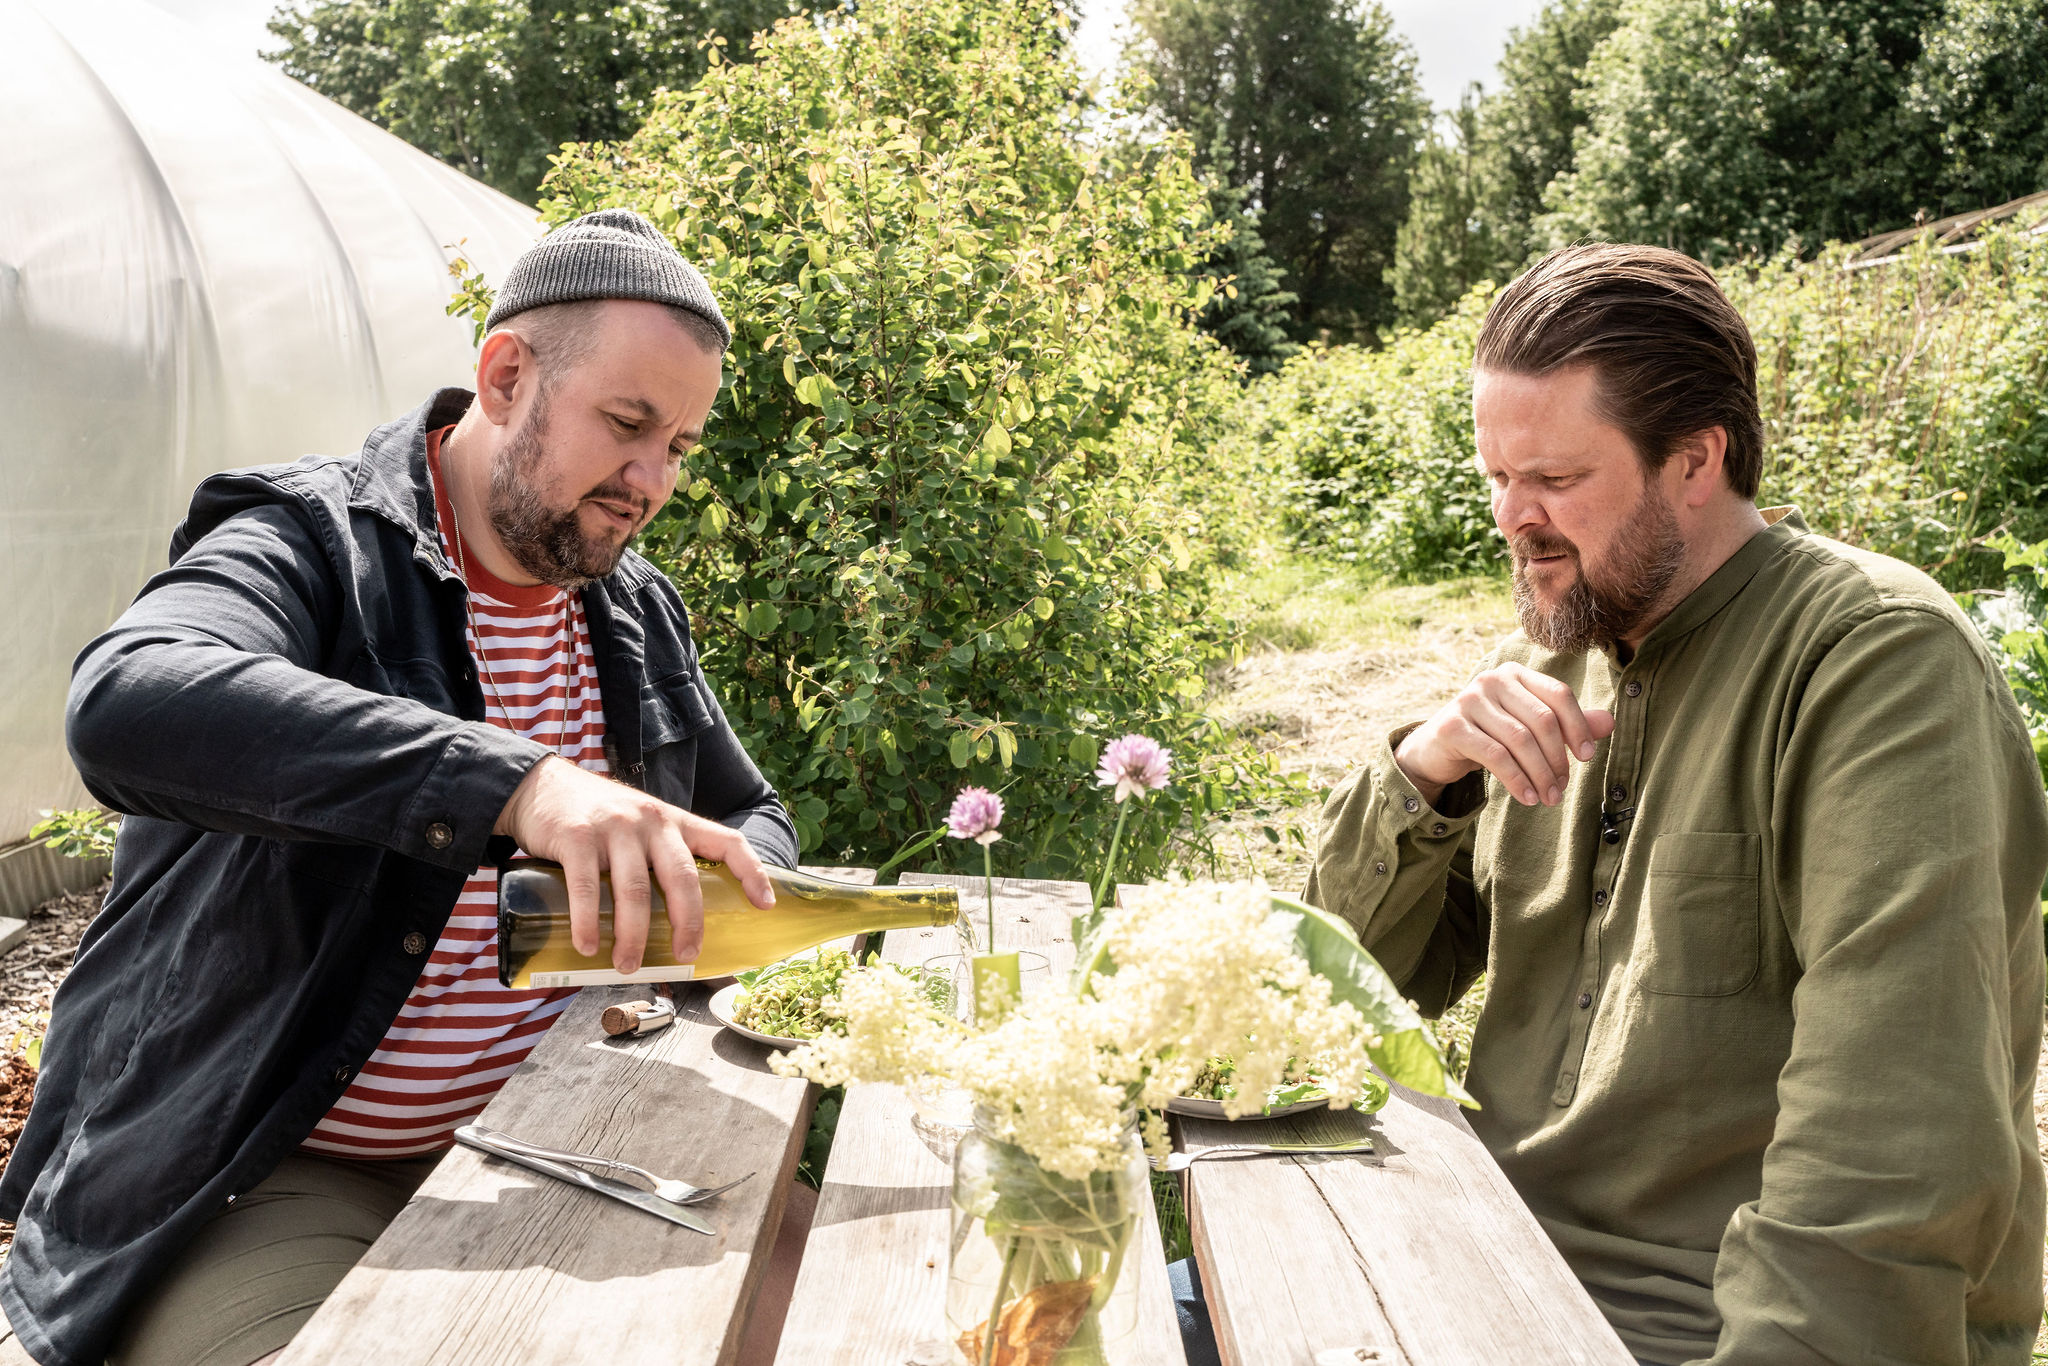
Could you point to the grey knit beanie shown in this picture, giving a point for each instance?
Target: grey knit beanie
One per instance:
(610, 254)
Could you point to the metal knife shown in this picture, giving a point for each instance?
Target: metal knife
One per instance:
(576, 1176)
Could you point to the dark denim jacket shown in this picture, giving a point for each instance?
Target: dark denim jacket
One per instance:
(291, 718)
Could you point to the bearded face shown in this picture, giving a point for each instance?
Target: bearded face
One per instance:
(1604, 600)
(547, 540)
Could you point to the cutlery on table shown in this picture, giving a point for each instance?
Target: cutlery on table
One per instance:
(485, 1141)
(677, 1192)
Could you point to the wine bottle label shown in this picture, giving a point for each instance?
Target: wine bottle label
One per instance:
(591, 977)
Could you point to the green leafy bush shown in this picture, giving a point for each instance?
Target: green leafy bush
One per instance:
(2015, 624)
(1905, 409)
(85, 833)
(957, 513)
(1374, 451)
(1906, 406)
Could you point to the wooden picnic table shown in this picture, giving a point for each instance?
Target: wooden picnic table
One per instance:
(1419, 1255)
(492, 1263)
(872, 1287)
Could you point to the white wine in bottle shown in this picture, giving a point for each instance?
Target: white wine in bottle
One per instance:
(535, 950)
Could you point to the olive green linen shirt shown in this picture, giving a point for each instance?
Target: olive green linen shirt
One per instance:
(1765, 987)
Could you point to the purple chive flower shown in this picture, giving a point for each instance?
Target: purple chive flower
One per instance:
(975, 815)
(1134, 766)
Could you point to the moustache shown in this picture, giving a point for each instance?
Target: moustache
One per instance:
(1538, 545)
(624, 497)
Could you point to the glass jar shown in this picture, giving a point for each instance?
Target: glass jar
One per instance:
(1046, 1257)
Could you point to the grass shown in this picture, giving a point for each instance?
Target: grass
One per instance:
(1292, 603)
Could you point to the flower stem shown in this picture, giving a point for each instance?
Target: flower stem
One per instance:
(995, 1314)
(988, 878)
(1115, 843)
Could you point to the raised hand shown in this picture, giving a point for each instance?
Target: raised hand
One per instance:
(591, 825)
(1521, 726)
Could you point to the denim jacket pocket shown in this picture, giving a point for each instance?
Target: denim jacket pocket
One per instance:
(1701, 925)
(672, 708)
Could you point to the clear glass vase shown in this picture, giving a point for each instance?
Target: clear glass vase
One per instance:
(1045, 1258)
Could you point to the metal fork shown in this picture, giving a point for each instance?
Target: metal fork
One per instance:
(676, 1192)
(1180, 1162)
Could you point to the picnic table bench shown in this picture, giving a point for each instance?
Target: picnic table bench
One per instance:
(1418, 1255)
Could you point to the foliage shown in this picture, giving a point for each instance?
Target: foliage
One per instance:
(2015, 624)
(86, 833)
(1375, 454)
(1477, 195)
(1722, 127)
(950, 520)
(1906, 407)
(1314, 106)
(1250, 309)
(1446, 245)
(493, 89)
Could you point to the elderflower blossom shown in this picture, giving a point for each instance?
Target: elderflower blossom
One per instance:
(1201, 969)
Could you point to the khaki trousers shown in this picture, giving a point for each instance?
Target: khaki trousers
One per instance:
(258, 1269)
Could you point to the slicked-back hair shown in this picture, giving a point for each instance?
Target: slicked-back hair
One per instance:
(1671, 354)
(562, 336)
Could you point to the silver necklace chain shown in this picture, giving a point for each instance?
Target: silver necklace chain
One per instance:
(476, 635)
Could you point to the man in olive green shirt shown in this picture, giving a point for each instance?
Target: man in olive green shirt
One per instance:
(1744, 827)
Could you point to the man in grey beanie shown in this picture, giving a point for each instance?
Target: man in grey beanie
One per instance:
(362, 683)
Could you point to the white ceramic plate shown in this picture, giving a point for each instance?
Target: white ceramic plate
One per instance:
(724, 1002)
(1198, 1108)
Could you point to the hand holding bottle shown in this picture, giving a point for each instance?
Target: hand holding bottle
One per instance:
(592, 825)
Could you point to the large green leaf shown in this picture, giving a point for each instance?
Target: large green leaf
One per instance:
(1407, 1051)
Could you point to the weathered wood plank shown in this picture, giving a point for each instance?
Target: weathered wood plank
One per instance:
(872, 1288)
(493, 1263)
(1422, 1254)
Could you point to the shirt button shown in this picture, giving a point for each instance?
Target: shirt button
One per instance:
(1634, 687)
(415, 943)
(439, 835)
(1585, 1000)
(342, 1074)
(1412, 805)
(1600, 898)
(1438, 828)
(1618, 793)
(1379, 870)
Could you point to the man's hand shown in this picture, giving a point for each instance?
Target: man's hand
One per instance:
(590, 824)
(1515, 723)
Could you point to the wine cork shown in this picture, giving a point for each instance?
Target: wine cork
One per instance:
(637, 1017)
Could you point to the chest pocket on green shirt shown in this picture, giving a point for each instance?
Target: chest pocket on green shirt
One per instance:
(1700, 918)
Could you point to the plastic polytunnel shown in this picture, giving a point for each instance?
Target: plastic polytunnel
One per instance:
(203, 264)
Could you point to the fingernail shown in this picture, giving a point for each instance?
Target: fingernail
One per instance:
(1586, 750)
(1528, 796)
(1553, 796)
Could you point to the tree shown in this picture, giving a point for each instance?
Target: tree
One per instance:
(1527, 126)
(1981, 88)
(1476, 196)
(1251, 308)
(494, 89)
(959, 512)
(1446, 245)
(1722, 127)
(1314, 107)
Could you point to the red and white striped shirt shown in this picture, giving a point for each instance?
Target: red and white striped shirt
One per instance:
(459, 1034)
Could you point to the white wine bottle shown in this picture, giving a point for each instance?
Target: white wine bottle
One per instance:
(535, 949)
